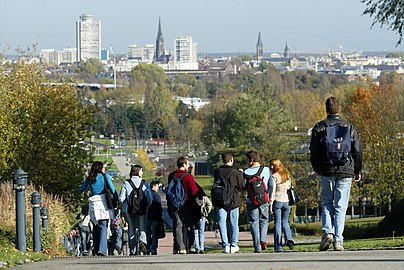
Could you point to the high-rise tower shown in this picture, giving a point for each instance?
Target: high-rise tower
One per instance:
(259, 48)
(160, 53)
(88, 38)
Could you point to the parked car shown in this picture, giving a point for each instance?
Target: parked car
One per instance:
(114, 173)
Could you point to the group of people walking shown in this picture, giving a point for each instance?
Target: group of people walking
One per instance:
(337, 160)
(141, 228)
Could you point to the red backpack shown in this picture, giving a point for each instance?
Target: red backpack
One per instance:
(256, 188)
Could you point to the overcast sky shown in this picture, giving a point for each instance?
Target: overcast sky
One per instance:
(216, 25)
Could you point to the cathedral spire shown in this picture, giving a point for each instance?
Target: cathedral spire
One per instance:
(160, 53)
(286, 51)
(259, 48)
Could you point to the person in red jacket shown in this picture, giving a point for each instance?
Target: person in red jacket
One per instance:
(184, 218)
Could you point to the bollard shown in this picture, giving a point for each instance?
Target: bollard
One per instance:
(36, 204)
(19, 181)
(44, 215)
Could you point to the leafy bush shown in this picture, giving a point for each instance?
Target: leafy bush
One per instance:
(393, 221)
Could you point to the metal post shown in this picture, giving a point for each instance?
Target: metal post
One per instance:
(19, 181)
(36, 204)
(44, 215)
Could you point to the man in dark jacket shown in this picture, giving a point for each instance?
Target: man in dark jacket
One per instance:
(336, 179)
(231, 211)
(184, 218)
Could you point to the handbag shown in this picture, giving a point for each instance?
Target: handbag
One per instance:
(161, 230)
(111, 201)
(292, 195)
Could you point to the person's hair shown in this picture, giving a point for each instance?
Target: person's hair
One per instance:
(332, 105)
(96, 168)
(226, 157)
(181, 161)
(153, 183)
(252, 155)
(277, 167)
(135, 170)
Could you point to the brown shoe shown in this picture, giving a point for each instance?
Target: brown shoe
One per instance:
(263, 245)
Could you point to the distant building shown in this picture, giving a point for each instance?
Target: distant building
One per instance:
(185, 53)
(88, 38)
(286, 52)
(145, 54)
(259, 48)
(104, 55)
(55, 58)
(160, 55)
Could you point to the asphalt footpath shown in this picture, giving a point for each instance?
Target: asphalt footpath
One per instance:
(329, 260)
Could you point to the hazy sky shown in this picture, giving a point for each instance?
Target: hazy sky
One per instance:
(216, 25)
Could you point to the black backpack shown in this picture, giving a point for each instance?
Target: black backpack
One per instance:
(137, 204)
(336, 143)
(220, 193)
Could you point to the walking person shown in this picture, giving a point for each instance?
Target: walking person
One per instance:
(280, 205)
(336, 155)
(228, 212)
(184, 218)
(116, 233)
(85, 228)
(154, 218)
(100, 214)
(257, 204)
(206, 207)
(136, 197)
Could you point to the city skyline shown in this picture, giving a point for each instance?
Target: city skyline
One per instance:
(225, 26)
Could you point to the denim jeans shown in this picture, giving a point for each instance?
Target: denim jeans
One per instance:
(281, 214)
(136, 222)
(116, 239)
(335, 195)
(200, 234)
(100, 237)
(258, 218)
(152, 240)
(85, 238)
(231, 214)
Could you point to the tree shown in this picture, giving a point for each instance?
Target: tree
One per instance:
(40, 129)
(374, 111)
(92, 67)
(387, 12)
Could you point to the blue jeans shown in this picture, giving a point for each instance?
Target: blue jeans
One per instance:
(136, 222)
(100, 237)
(281, 214)
(152, 240)
(116, 239)
(232, 214)
(335, 195)
(258, 218)
(85, 238)
(200, 234)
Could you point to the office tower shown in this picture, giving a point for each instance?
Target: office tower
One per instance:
(286, 51)
(259, 48)
(185, 53)
(160, 53)
(88, 38)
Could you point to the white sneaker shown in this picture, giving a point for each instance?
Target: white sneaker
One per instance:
(234, 249)
(226, 249)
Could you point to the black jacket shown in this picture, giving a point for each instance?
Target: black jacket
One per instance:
(236, 181)
(317, 151)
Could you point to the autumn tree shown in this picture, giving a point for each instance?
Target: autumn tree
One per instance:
(41, 126)
(374, 111)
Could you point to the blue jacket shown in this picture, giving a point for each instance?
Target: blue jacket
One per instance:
(97, 188)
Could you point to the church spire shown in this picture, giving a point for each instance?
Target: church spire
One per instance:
(259, 48)
(160, 54)
(286, 51)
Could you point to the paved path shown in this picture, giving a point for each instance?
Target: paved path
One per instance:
(330, 260)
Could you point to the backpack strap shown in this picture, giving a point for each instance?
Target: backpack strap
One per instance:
(248, 177)
(228, 175)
